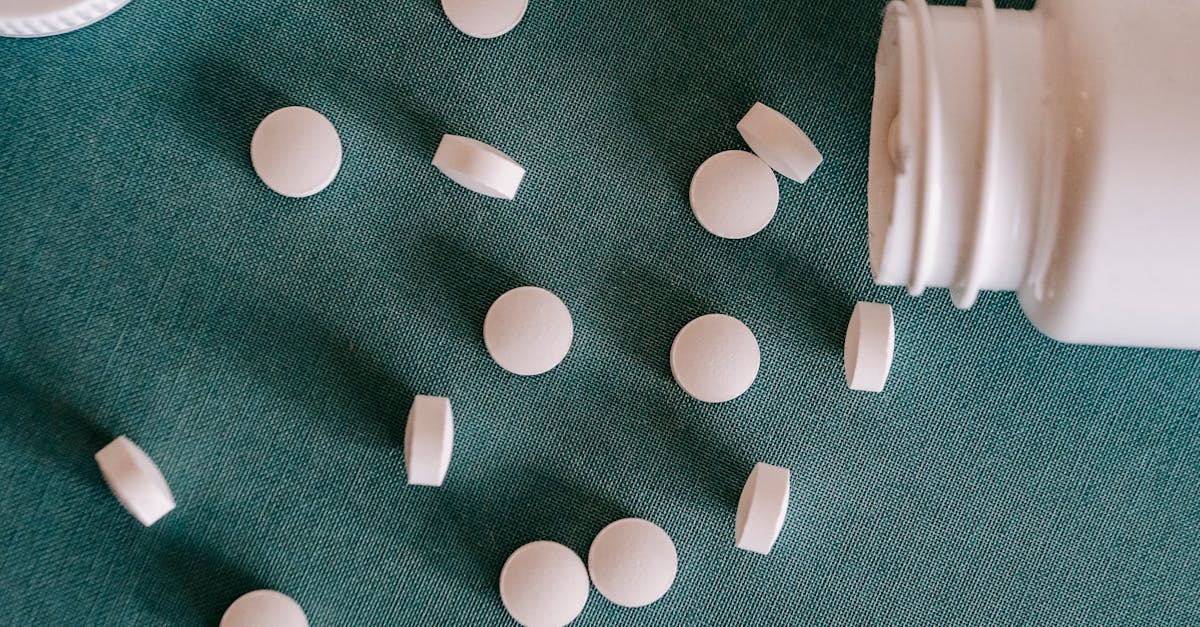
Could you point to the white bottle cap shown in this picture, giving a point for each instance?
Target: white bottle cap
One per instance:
(39, 18)
(633, 562)
(734, 194)
(485, 18)
(263, 608)
(135, 480)
(715, 358)
(762, 508)
(296, 151)
(779, 142)
(478, 167)
(528, 330)
(870, 343)
(543, 584)
(428, 440)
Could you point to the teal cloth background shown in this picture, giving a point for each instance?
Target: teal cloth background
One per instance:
(264, 350)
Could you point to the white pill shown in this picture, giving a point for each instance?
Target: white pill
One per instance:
(135, 480)
(715, 358)
(762, 508)
(528, 330)
(428, 440)
(543, 584)
(485, 18)
(264, 608)
(633, 562)
(478, 167)
(296, 151)
(734, 194)
(779, 142)
(870, 343)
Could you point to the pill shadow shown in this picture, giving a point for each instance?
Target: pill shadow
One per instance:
(544, 504)
(64, 436)
(819, 295)
(644, 311)
(202, 581)
(714, 463)
(220, 103)
(685, 90)
(385, 104)
(306, 353)
(469, 279)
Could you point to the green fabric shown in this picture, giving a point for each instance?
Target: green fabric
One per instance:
(264, 350)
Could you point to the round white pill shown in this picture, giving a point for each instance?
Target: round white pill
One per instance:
(762, 508)
(478, 167)
(779, 142)
(428, 440)
(264, 608)
(135, 480)
(485, 18)
(715, 358)
(543, 584)
(870, 344)
(528, 330)
(734, 194)
(296, 151)
(632, 562)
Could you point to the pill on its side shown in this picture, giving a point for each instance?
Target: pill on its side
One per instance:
(135, 480)
(715, 358)
(543, 584)
(478, 167)
(262, 608)
(528, 330)
(428, 440)
(762, 508)
(734, 194)
(775, 138)
(633, 562)
(296, 151)
(870, 345)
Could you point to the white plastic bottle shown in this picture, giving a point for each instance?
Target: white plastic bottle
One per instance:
(1055, 152)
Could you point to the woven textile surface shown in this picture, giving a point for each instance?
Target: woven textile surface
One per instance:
(265, 350)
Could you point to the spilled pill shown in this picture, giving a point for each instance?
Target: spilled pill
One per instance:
(632, 562)
(762, 508)
(543, 584)
(715, 358)
(485, 19)
(870, 344)
(528, 330)
(478, 167)
(734, 194)
(135, 480)
(264, 608)
(779, 142)
(296, 151)
(428, 440)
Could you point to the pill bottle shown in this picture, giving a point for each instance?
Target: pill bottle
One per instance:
(1052, 152)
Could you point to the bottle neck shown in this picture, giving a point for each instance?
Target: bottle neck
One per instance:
(958, 147)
